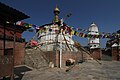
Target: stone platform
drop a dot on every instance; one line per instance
(90, 70)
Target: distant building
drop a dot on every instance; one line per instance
(114, 46)
(51, 36)
(114, 41)
(93, 42)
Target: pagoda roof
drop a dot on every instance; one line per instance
(10, 14)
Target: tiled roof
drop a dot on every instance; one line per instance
(10, 14)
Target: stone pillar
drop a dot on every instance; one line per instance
(96, 53)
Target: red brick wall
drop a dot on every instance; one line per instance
(115, 53)
(96, 53)
(10, 33)
(54, 57)
(1, 47)
(73, 55)
(19, 51)
(19, 47)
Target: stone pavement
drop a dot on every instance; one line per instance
(90, 70)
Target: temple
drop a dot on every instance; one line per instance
(93, 42)
(56, 44)
(50, 36)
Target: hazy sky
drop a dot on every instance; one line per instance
(105, 13)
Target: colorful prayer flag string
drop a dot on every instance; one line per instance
(71, 30)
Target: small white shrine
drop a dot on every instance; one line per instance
(51, 36)
(93, 42)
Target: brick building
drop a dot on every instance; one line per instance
(114, 45)
(116, 51)
(11, 39)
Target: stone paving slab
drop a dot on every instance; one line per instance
(89, 70)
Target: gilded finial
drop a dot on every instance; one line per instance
(56, 13)
(56, 10)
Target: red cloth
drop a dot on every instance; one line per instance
(34, 43)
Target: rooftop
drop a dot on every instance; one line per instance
(10, 14)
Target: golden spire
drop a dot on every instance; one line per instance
(56, 13)
(56, 10)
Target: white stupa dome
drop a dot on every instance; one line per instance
(93, 27)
